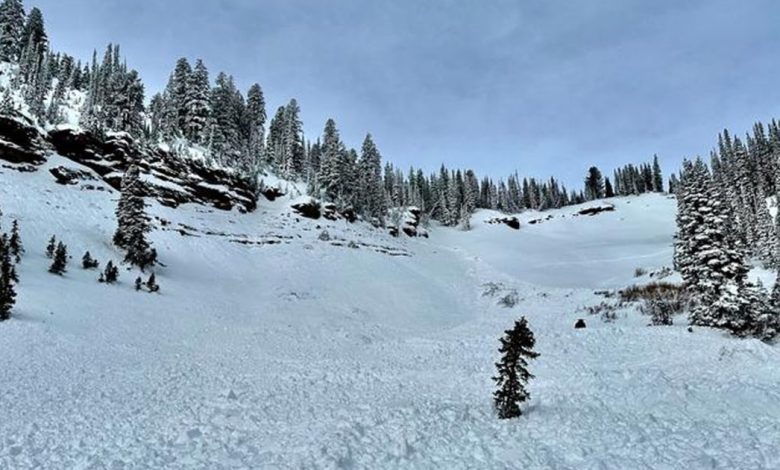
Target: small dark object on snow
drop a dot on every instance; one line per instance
(580, 324)
(690, 329)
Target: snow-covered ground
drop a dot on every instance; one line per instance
(270, 348)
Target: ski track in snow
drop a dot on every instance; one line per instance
(309, 355)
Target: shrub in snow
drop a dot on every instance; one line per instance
(509, 300)
(151, 284)
(324, 236)
(88, 262)
(110, 274)
(513, 375)
(51, 247)
(580, 324)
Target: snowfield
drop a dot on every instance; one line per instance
(270, 348)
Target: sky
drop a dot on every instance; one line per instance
(541, 87)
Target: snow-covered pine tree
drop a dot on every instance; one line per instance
(373, 193)
(11, 30)
(60, 263)
(293, 155)
(8, 279)
(708, 258)
(132, 222)
(197, 103)
(516, 348)
(256, 116)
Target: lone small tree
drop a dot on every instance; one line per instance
(110, 274)
(138, 283)
(513, 375)
(8, 279)
(151, 284)
(15, 242)
(51, 247)
(60, 260)
(132, 222)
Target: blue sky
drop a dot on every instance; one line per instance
(545, 87)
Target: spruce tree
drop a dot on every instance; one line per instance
(658, 179)
(11, 30)
(59, 265)
(594, 184)
(51, 247)
(15, 242)
(8, 280)
(132, 222)
(138, 283)
(513, 375)
(197, 103)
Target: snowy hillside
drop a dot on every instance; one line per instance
(273, 346)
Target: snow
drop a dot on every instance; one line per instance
(289, 352)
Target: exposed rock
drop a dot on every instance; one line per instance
(272, 194)
(69, 176)
(597, 209)
(309, 208)
(21, 141)
(509, 221)
(170, 179)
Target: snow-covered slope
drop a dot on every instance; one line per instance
(268, 347)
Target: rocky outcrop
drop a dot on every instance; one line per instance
(169, 179)
(307, 207)
(510, 221)
(20, 140)
(596, 210)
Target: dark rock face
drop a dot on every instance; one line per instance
(580, 324)
(509, 221)
(309, 209)
(20, 141)
(69, 176)
(169, 179)
(596, 210)
(271, 194)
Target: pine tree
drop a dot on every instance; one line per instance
(15, 242)
(11, 30)
(8, 279)
(51, 247)
(707, 256)
(59, 265)
(658, 179)
(132, 222)
(255, 113)
(138, 283)
(594, 184)
(513, 375)
(197, 103)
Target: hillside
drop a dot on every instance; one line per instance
(268, 347)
